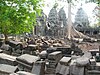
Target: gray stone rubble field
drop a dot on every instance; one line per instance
(49, 58)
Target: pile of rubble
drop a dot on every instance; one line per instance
(47, 56)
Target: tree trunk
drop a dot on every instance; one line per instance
(6, 37)
(33, 31)
(69, 21)
(71, 31)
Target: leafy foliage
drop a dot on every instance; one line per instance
(95, 1)
(18, 16)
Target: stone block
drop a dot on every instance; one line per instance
(92, 61)
(7, 59)
(51, 49)
(82, 61)
(55, 55)
(74, 70)
(22, 73)
(39, 68)
(93, 72)
(65, 61)
(27, 60)
(43, 55)
(7, 69)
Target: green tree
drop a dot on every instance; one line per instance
(18, 16)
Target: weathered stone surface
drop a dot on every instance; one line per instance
(53, 58)
(62, 69)
(65, 60)
(51, 49)
(7, 59)
(95, 67)
(65, 50)
(92, 61)
(55, 55)
(38, 68)
(26, 61)
(50, 71)
(58, 68)
(87, 54)
(7, 69)
(22, 73)
(75, 57)
(29, 59)
(5, 47)
(82, 61)
(75, 70)
(43, 55)
(13, 44)
(93, 72)
(32, 47)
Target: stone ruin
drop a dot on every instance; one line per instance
(48, 56)
(55, 25)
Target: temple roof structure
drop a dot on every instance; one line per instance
(62, 16)
(81, 18)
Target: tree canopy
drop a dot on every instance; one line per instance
(18, 16)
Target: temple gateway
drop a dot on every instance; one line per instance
(55, 25)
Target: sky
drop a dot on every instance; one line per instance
(87, 7)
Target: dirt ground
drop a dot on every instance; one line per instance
(86, 46)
